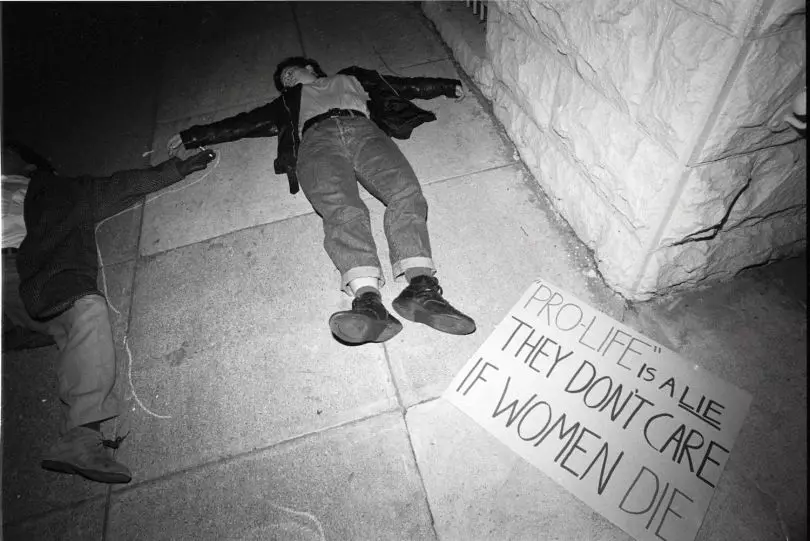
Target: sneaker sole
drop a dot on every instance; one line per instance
(441, 322)
(93, 475)
(359, 329)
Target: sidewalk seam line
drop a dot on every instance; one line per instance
(245, 454)
(306, 214)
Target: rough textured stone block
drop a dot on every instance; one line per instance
(732, 16)
(691, 65)
(744, 189)
(612, 105)
(732, 214)
(782, 14)
(750, 118)
(573, 194)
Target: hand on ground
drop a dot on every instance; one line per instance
(174, 144)
(196, 162)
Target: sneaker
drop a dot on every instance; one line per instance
(367, 321)
(422, 302)
(82, 452)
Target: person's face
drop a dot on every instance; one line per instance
(294, 75)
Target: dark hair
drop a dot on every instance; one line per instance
(29, 155)
(297, 61)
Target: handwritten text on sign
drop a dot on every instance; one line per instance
(624, 424)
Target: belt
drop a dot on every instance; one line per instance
(331, 113)
(5, 251)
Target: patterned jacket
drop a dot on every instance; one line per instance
(57, 261)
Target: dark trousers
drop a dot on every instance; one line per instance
(334, 156)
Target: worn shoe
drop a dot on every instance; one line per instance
(367, 321)
(81, 451)
(422, 302)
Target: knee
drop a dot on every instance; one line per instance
(346, 214)
(410, 200)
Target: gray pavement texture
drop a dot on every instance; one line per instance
(247, 420)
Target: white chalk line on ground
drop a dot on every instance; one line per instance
(310, 516)
(106, 294)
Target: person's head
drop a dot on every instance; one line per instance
(294, 70)
(18, 159)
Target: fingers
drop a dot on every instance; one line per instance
(201, 160)
(174, 144)
(209, 156)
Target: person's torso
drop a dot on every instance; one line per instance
(57, 260)
(335, 92)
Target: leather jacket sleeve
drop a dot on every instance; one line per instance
(409, 88)
(259, 122)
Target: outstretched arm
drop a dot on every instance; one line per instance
(259, 122)
(425, 88)
(122, 189)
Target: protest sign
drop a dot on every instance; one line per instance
(623, 423)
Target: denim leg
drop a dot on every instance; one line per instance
(327, 177)
(86, 365)
(386, 174)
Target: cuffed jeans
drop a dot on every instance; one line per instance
(85, 367)
(334, 156)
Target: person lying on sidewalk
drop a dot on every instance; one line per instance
(57, 266)
(333, 132)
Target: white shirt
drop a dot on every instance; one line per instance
(14, 188)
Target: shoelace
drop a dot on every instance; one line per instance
(427, 289)
(114, 444)
(368, 303)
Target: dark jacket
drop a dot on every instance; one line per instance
(389, 106)
(57, 260)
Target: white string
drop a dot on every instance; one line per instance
(104, 282)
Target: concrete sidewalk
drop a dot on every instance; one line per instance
(247, 420)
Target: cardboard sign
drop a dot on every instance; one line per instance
(624, 424)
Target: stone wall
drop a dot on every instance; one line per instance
(654, 126)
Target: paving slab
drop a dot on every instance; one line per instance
(82, 522)
(479, 489)
(463, 139)
(354, 482)
(117, 238)
(83, 116)
(238, 190)
(740, 511)
(230, 341)
(227, 59)
(752, 332)
(241, 189)
(31, 416)
(339, 34)
(492, 233)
